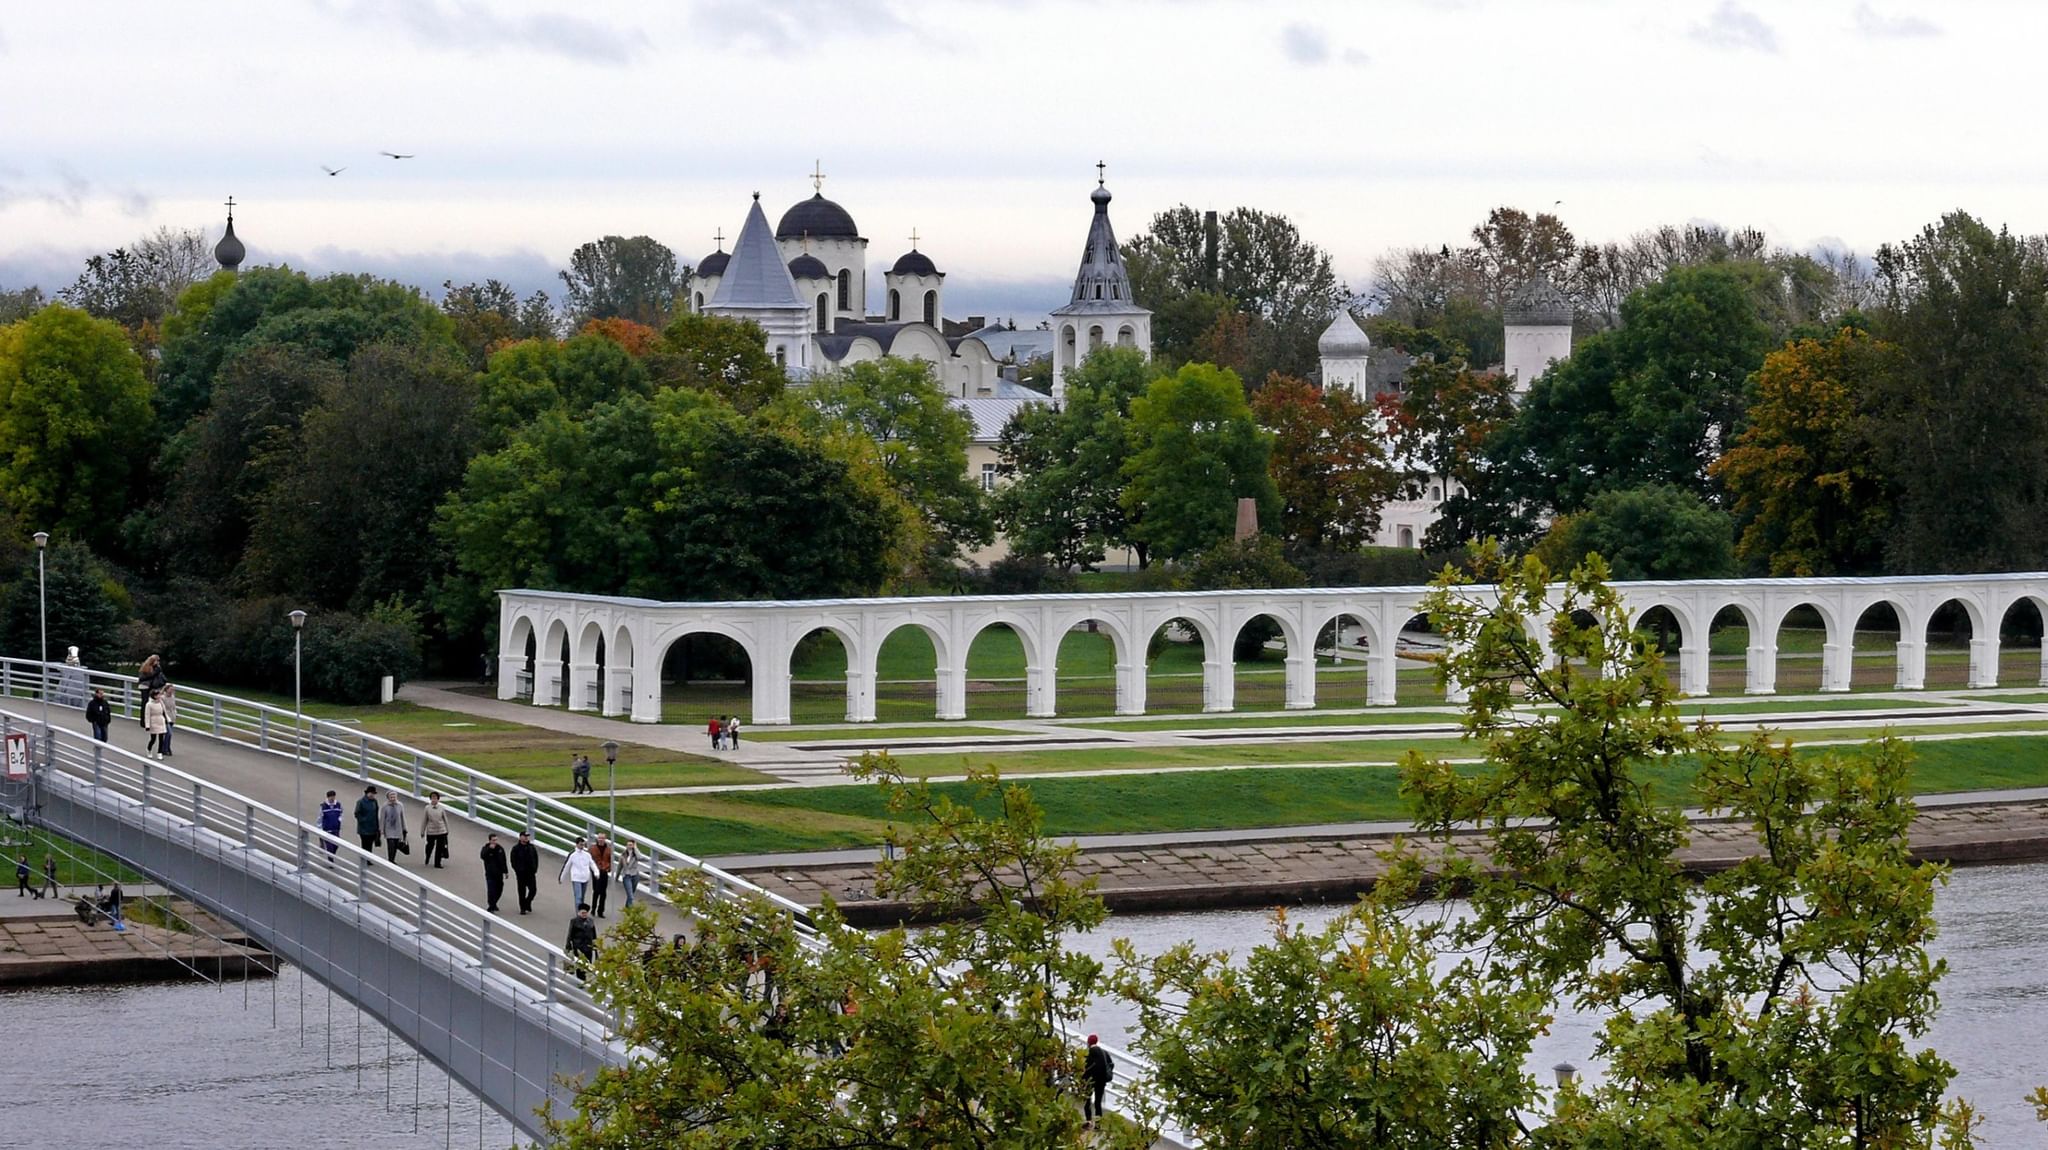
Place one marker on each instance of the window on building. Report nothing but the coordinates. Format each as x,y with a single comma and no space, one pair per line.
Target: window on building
781,356
824,312
931,308
1436,493
845,289
1098,291
700,301
988,477
895,306
1407,537
1116,291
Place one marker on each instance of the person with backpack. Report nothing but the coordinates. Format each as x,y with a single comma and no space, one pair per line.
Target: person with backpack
1096,1072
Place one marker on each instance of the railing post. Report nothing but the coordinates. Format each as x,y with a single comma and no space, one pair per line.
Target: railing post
472,796
216,716
127,699
147,775
420,911
529,814
416,765
363,760
363,878
198,804
249,826
99,760
483,950
554,968
7,678
263,731
305,841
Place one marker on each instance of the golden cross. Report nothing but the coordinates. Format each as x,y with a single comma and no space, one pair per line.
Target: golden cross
818,176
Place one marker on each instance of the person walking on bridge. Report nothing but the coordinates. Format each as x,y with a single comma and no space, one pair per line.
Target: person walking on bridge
22,874
168,700
494,872
578,869
153,723
434,825
392,825
629,869
582,941
368,820
99,713
330,825
1096,1072
50,878
601,880
526,869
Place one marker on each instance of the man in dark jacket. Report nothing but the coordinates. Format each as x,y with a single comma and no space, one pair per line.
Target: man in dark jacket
99,713
582,942
526,869
1095,1073
494,872
368,825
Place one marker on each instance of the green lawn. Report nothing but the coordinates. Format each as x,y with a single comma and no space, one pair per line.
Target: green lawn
1198,755
875,733
1711,709
1388,717
76,865
825,817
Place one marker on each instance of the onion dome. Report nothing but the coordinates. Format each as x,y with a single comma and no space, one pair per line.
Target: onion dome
818,218
1538,304
713,264
229,251
913,263
808,267
1344,339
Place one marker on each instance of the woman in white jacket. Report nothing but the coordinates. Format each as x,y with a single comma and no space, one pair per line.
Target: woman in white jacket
579,868
153,722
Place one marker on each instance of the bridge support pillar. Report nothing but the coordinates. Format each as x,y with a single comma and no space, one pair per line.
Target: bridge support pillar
1301,680
1382,678
1984,662
1836,666
952,693
1041,687
860,695
583,687
1219,684
1763,671
1130,688
1912,658
1693,671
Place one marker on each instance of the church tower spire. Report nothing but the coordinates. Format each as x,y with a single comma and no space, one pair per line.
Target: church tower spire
229,251
1100,310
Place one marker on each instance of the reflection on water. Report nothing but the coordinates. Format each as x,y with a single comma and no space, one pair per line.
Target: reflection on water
1994,1001
188,1066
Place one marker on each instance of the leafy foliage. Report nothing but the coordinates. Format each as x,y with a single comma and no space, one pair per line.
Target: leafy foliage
1196,450
619,277
1645,533
74,423
1329,464
1064,499
86,605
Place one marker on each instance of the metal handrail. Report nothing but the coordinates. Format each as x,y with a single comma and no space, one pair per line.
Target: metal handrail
496,803
225,821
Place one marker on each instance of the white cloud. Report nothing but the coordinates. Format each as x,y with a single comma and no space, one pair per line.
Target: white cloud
472,27
1870,22
1304,44
1734,27
781,25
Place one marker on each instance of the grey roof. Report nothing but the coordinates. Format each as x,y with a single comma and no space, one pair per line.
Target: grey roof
990,416
1024,344
1538,304
808,267
755,276
835,344
913,263
713,265
1102,284
1344,338
229,251
818,218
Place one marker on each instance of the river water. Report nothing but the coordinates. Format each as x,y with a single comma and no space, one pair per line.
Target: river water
197,1067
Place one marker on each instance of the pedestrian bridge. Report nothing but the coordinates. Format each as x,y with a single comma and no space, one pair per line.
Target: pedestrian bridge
494,1004
605,653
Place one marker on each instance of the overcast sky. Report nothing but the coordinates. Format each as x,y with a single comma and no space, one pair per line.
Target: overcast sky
1373,124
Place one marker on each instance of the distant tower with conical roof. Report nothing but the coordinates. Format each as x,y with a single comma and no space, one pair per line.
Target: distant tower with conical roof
757,286
1101,310
1538,323
229,251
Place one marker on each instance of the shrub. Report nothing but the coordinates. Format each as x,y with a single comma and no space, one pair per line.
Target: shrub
85,606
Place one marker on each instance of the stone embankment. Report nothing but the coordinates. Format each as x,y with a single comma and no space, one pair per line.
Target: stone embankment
44,943
1139,873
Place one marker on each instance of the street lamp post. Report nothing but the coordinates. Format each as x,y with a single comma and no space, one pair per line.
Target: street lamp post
298,619
42,657
611,785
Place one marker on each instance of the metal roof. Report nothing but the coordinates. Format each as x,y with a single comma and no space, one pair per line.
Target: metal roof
990,416
755,276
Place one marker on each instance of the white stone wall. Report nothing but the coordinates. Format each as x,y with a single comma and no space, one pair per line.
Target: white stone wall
1531,351
1348,373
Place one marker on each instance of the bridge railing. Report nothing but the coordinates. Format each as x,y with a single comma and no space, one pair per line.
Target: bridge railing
501,805
494,802
216,822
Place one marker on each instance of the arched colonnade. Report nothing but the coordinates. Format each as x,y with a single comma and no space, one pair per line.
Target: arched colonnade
611,648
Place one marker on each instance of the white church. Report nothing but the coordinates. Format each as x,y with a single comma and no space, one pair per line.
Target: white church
1538,329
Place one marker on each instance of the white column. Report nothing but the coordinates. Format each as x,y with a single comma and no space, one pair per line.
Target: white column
1219,683
860,695
1835,666
1301,680
952,691
618,691
1694,671
510,667
646,688
1984,662
771,685
1130,688
1912,660
1382,678
1040,684
1763,670
582,679
547,681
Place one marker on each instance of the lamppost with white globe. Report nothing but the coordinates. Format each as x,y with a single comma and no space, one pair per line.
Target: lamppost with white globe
298,619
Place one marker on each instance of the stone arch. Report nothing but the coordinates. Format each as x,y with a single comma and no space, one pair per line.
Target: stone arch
1094,337
551,664
1260,675
721,695
907,688
1877,627
1356,662
618,672
998,683
1092,665
813,693
2023,653
516,655
587,670
1956,637
1684,626
1817,661
1182,655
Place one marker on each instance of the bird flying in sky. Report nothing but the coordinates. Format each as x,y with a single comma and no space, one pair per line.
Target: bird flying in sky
334,171
399,155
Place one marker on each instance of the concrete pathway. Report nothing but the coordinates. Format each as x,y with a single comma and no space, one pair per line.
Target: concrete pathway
269,779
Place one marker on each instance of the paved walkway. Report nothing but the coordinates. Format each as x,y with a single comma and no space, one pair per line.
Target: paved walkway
269,779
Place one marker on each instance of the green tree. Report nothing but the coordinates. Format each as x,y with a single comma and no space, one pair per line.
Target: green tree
1645,533
1804,476
86,605
1329,464
1064,499
897,404
1962,425
724,357
20,303
524,379
1341,1037
632,278
1196,450
74,423
1441,425
347,523
1780,1003
1264,267
489,315
762,1033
